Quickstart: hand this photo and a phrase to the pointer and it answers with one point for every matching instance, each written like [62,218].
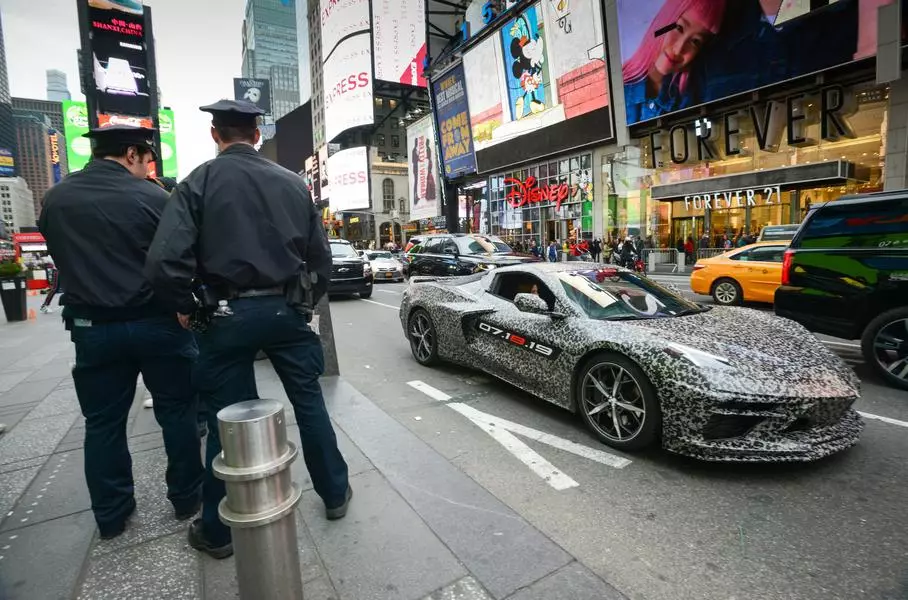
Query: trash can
[13,296]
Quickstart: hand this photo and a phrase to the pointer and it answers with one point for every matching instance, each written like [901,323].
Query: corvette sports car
[639,362]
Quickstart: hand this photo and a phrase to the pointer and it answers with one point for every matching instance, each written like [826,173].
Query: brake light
[786,266]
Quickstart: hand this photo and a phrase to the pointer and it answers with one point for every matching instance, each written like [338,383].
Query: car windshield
[607,294]
[479,244]
[343,251]
[379,255]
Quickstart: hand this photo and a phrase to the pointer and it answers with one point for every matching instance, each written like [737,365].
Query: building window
[403,205]
[395,141]
[380,139]
[387,193]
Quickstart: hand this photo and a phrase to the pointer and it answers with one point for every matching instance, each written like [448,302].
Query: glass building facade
[7,128]
[270,51]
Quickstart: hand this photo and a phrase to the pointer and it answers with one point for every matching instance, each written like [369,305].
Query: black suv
[846,275]
[350,273]
[461,254]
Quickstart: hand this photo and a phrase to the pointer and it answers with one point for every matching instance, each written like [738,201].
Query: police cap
[123,135]
[233,112]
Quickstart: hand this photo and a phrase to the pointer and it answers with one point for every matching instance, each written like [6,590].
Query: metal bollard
[261,499]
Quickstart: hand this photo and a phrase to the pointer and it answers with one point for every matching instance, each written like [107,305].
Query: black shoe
[109,532]
[183,514]
[197,540]
[333,514]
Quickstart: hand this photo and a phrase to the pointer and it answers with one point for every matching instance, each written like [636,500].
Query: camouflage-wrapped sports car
[639,362]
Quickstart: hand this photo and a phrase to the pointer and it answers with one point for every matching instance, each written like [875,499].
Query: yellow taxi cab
[750,273]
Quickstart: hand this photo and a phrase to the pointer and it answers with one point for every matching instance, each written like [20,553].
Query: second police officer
[248,229]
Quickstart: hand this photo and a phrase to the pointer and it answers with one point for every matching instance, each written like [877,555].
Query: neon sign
[529,191]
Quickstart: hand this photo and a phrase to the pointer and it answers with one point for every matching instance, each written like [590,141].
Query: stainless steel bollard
[261,499]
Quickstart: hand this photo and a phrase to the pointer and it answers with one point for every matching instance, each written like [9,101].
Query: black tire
[726,292]
[366,294]
[647,430]
[894,355]
[421,321]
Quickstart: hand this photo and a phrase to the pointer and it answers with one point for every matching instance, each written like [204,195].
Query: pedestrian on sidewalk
[249,230]
[53,279]
[99,223]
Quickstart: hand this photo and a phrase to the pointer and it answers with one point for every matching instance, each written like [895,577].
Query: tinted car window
[743,256]
[477,244]
[343,251]
[432,246]
[608,294]
[768,254]
[449,247]
[865,225]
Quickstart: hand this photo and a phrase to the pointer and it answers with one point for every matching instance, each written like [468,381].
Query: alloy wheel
[726,292]
[891,348]
[613,400]
[422,337]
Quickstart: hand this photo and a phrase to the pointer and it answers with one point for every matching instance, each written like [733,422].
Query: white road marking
[843,344]
[389,292]
[429,391]
[884,419]
[380,304]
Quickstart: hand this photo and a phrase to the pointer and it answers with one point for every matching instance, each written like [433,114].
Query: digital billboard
[453,116]
[324,190]
[168,150]
[55,155]
[256,91]
[542,78]
[423,170]
[680,53]
[7,163]
[349,175]
[75,125]
[399,42]
[119,60]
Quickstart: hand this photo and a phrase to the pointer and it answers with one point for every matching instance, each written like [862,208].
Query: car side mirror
[531,303]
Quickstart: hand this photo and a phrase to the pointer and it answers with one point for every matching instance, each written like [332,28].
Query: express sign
[529,191]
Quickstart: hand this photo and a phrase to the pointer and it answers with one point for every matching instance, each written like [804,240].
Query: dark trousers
[109,358]
[225,376]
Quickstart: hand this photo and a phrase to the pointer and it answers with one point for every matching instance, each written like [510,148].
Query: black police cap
[124,135]
[233,112]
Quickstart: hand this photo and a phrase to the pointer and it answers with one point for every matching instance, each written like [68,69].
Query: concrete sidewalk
[418,527]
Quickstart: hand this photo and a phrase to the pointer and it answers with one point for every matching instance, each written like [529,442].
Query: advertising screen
[400,40]
[168,152]
[75,125]
[348,86]
[7,163]
[340,20]
[55,156]
[313,179]
[423,170]
[256,91]
[119,61]
[325,188]
[543,78]
[453,116]
[349,175]
[680,53]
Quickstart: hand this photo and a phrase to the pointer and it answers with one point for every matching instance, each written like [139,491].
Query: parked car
[643,366]
[750,273]
[350,273]
[846,275]
[384,266]
[778,233]
[462,254]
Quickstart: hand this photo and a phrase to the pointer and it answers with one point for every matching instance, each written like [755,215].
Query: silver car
[384,266]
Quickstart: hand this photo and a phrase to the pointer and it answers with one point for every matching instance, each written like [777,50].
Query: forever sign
[720,200]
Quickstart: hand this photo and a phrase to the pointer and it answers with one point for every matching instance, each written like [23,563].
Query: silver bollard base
[268,561]
[236,520]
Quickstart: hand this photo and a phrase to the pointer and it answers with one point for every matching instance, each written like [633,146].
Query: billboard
[542,78]
[312,178]
[256,91]
[453,117]
[55,155]
[349,175]
[347,66]
[168,150]
[75,125]
[7,163]
[399,42]
[324,190]
[690,52]
[423,170]
[119,59]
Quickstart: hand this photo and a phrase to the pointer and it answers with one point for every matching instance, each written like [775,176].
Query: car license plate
[389,275]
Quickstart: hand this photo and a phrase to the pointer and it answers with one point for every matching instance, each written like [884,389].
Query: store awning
[833,172]
[33,247]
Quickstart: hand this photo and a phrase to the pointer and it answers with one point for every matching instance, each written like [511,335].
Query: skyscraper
[315,79]
[17,208]
[270,50]
[53,111]
[57,90]
[33,131]
[7,129]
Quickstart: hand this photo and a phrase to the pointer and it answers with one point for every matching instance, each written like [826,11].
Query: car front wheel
[423,337]
[885,346]
[618,402]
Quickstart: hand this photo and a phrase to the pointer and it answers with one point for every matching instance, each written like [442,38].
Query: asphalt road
[661,527]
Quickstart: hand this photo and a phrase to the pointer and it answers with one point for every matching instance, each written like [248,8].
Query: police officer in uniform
[248,229]
[99,223]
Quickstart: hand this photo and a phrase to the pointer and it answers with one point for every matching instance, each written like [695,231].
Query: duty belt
[256,292]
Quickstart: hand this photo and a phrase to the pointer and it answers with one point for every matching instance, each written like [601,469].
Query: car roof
[558,267]
[871,197]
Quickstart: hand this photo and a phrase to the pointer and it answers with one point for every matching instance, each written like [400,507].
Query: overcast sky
[199,52]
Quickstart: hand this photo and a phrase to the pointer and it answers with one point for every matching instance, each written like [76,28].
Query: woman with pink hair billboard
[657,75]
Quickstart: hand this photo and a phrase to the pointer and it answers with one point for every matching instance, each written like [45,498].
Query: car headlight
[367,268]
[699,358]
[485,266]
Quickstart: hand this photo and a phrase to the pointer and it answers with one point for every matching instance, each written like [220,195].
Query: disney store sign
[530,192]
[734,199]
